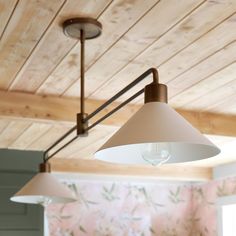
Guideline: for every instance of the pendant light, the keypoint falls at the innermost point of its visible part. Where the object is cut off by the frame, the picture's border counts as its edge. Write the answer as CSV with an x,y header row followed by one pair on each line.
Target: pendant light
x,y
44,189
155,135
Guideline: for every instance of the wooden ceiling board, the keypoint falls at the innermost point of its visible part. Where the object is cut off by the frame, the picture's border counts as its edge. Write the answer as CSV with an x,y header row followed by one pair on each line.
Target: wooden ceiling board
x,y
54,46
206,67
200,50
192,43
210,100
30,135
79,144
118,12
49,137
13,130
225,106
98,168
3,124
87,147
88,151
205,86
61,110
211,123
159,20
44,108
6,10
204,19
22,35
209,66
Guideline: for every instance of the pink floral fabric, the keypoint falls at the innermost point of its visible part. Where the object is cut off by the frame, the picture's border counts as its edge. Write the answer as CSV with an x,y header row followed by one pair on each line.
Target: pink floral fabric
x,y
115,209
204,210
128,209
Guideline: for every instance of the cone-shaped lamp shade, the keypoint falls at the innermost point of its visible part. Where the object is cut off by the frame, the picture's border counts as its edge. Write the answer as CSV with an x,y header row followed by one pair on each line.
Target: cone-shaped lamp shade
x,y
44,188
156,123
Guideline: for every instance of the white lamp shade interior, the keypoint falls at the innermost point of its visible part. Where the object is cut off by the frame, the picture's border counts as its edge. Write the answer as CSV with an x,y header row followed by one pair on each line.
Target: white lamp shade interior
x,y
43,189
156,122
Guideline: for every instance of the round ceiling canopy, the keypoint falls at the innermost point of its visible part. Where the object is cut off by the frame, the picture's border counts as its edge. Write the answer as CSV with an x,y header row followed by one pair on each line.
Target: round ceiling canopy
x,y
91,28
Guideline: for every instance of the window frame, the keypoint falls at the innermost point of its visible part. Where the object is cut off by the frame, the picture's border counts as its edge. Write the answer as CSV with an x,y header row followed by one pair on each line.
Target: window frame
x,y
221,202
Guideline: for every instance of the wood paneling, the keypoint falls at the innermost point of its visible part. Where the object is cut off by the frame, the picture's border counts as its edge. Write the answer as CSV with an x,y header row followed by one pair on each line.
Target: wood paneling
x,y
22,34
159,20
30,135
207,21
6,10
86,147
52,134
168,172
113,28
3,124
48,109
192,43
204,87
225,105
12,132
54,46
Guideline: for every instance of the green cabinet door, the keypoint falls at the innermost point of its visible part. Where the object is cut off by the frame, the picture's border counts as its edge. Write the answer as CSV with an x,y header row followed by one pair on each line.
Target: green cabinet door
x,y
16,219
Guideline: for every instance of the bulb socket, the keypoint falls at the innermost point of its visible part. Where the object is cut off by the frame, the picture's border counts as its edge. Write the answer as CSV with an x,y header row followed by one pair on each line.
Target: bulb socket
x,y
44,167
155,92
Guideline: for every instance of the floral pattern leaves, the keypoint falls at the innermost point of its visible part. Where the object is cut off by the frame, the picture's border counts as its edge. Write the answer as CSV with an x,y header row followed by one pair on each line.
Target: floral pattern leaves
x,y
114,209
160,209
174,196
109,193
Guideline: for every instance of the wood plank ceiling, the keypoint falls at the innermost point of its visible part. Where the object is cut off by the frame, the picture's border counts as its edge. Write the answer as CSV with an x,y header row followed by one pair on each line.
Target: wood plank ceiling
x,y
192,43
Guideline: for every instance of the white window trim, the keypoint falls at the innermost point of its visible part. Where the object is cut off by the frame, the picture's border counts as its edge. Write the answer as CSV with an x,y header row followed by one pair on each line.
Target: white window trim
x,y
220,202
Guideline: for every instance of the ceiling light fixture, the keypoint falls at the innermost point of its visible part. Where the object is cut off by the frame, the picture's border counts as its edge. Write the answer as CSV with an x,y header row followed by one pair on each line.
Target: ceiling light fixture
x,y
155,135
44,189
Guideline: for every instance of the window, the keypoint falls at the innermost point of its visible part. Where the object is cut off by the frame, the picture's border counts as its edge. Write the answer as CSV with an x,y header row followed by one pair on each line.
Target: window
x,y
227,216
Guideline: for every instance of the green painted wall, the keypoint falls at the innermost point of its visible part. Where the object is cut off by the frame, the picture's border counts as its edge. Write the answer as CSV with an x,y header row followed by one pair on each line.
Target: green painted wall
x,y
16,168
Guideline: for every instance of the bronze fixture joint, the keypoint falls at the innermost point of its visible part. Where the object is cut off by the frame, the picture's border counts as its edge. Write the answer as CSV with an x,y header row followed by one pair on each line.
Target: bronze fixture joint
x,y
82,124
45,167
155,92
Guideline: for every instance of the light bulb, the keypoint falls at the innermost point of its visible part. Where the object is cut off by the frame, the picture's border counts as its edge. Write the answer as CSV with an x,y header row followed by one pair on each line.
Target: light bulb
x,y
156,153
44,201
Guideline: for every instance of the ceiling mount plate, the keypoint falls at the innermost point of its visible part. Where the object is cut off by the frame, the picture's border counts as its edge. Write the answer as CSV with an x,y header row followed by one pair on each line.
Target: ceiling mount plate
x,y
91,27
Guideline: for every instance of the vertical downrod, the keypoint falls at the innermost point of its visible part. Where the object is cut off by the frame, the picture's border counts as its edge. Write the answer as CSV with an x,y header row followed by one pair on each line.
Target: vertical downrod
x,y
82,42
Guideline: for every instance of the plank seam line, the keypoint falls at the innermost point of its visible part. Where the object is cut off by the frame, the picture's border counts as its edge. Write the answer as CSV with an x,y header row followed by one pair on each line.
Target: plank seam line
x,y
16,78
105,8
47,131
40,136
20,133
92,63
25,130
206,77
207,32
174,25
76,44
213,28
5,128
103,136
228,83
48,128
9,19
174,53
75,144
199,62
219,103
